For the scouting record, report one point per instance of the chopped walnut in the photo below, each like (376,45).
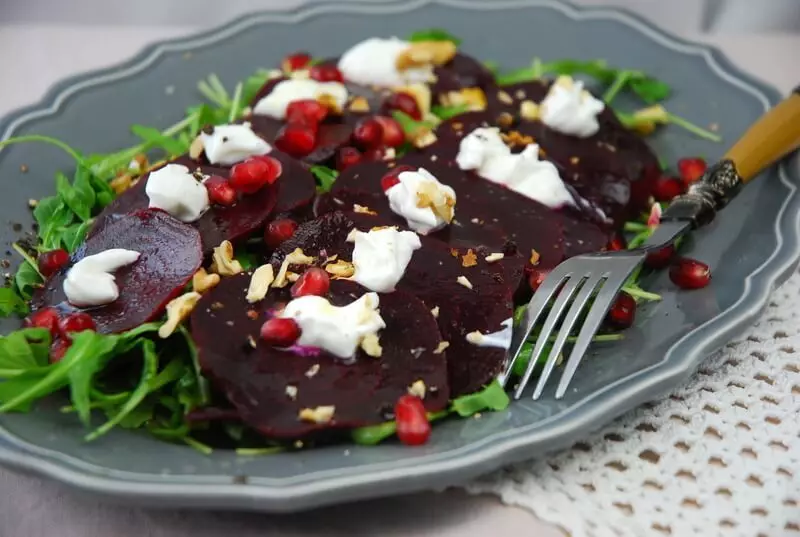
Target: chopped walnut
(371,345)
(473,98)
(441,347)
(435,312)
(262,278)
(330,102)
(197,148)
(417,389)
(292,277)
(313,370)
(574,160)
(520,94)
(505,120)
(496,256)
(441,204)
(464,281)
(223,262)
(454,252)
(516,138)
(297,257)
(504,97)
(421,94)
(252,341)
(252,315)
(341,269)
(320,414)
(422,53)
(534,259)
(202,281)
(422,137)
(300,74)
(469,259)
(291,392)
(475,337)
(358,104)
(121,183)
(529,110)
(177,310)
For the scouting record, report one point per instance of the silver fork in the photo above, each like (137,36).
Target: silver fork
(600,276)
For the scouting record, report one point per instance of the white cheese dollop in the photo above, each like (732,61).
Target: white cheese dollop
(380,256)
(338,330)
(425,203)
(297,89)
(484,151)
(229,144)
(91,282)
(500,339)
(570,109)
(175,190)
(373,62)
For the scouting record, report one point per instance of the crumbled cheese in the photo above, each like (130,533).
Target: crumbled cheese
(380,256)
(500,339)
(91,281)
(285,92)
(228,144)
(570,109)
(426,204)
(383,63)
(259,283)
(176,190)
(291,392)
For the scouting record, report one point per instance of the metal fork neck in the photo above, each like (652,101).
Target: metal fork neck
(712,192)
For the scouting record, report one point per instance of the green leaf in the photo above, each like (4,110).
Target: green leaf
(597,69)
(92,351)
(27,279)
(103,191)
(202,391)
(373,434)
(649,89)
(446,112)
(154,138)
(433,34)
(325,177)
(24,349)
(79,196)
(73,236)
(52,215)
(253,83)
(492,397)
(11,302)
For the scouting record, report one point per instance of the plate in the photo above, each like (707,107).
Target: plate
(752,247)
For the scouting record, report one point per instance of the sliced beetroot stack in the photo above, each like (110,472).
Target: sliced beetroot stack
(171,253)
(433,277)
(270,386)
(461,72)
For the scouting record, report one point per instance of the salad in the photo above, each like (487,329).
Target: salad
(337,249)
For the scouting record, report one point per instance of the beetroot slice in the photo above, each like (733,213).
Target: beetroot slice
(363,392)
(432,276)
(461,72)
(170,254)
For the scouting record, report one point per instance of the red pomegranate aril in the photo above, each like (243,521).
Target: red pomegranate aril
(691,169)
(413,427)
(298,140)
(325,73)
(393,135)
(537,277)
(689,273)
(668,188)
(622,312)
(77,322)
(405,103)
(346,157)
(658,259)
(43,318)
(374,154)
(254,173)
(314,281)
(616,243)
(279,231)
(58,349)
(295,62)
(307,110)
(52,261)
(368,133)
(388,181)
(280,332)
(220,191)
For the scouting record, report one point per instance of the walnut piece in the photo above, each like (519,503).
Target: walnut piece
(330,102)
(359,104)
(422,137)
(423,53)
(177,310)
(312,371)
(362,209)
(534,259)
(442,205)
(496,256)
(435,312)
(202,281)
(340,269)
(504,97)
(464,281)
(529,110)
(417,389)
(262,278)
(371,345)
(473,98)
(291,392)
(297,257)
(516,138)
(223,262)
(469,259)
(320,414)
(441,347)
(121,183)
(197,148)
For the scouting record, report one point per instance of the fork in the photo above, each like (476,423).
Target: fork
(598,277)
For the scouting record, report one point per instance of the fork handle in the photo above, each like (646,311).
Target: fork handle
(770,138)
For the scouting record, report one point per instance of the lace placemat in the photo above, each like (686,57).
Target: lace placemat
(720,456)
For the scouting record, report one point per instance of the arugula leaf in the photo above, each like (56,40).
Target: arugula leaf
(446,112)
(73,236)
(492,397)
(79,197)
(27,279)
(24,349)
(325,177)
(433,34)
(11,302)
(198,382)
(154,138)
(373,434)
(650,90)
(492,66)
(253,83)
(103,191)
(52,215)
(93,351)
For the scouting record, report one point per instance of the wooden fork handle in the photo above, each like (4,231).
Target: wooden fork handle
(774,135)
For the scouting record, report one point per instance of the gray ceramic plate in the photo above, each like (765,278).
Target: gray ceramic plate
(752,247)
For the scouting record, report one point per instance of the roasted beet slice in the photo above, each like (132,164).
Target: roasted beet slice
(171,253)
(433,276)
(363,391)
(461,72)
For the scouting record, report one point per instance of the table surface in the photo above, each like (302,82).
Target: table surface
(60,41)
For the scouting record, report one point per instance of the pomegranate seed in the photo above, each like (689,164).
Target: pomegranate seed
(404,103)
(325,73)
(220,191)
(622,312)
(691,169)
(413,427)
(58,349)
(616,243)
(279,231)
(52,261)
(375,154)
(659,259)
(689,273)
(307,110)
(368,133)
(347,157)
(77,322)
(537,277)
(255,173)
(667,188)
(295,62)
(393,134)
(296,139)
(280,332)
(314,281)
(655,215)
(392,177)
(43,318)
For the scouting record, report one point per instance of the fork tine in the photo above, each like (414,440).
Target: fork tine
(596,315)
(569,288)
(566,327)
